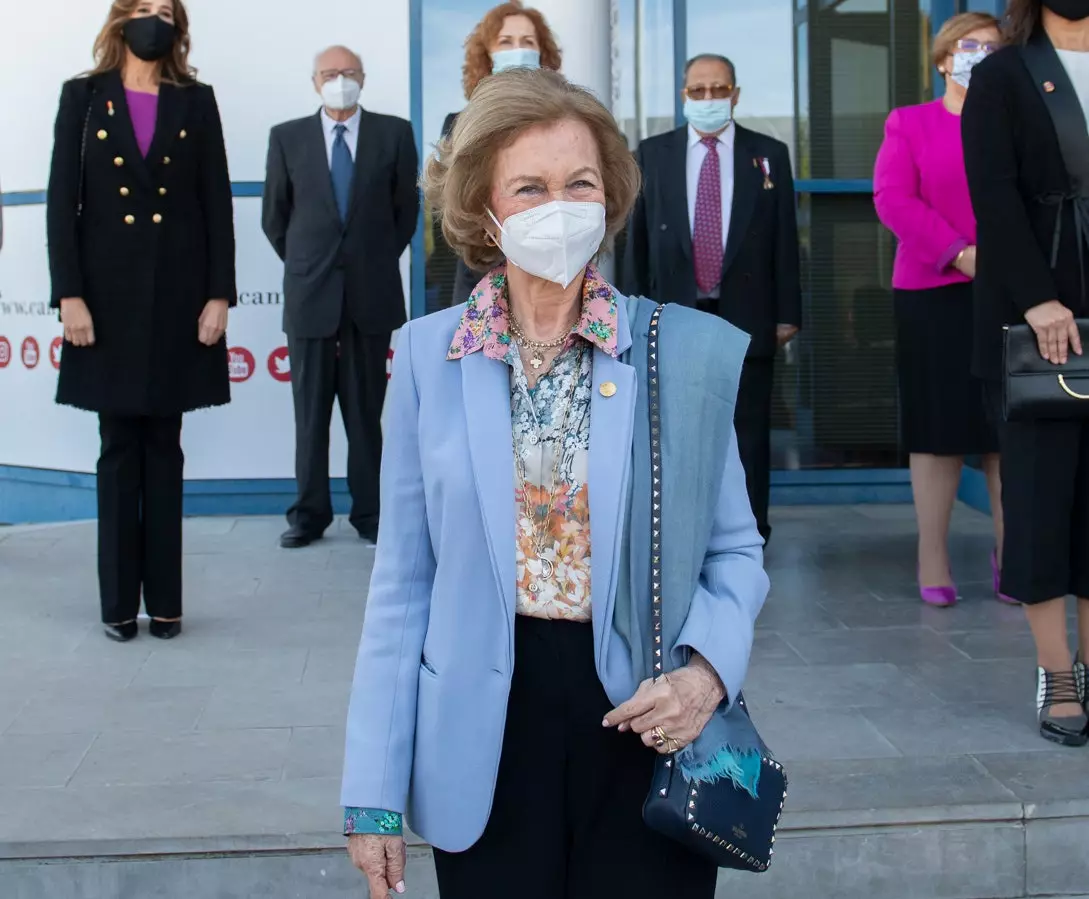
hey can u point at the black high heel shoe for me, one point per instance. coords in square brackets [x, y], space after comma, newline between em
[164, 630]
[1058, 688]
[121, 633]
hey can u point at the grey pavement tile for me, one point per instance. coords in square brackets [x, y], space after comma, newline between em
[357, 561]
[310, 705]
[200, 810]
[12, 700]
[808, 735]
[791, 615]
[869, 612]
[1057, 863]
[180, 666]
[270, 633]
[1002, 682]
[960, 729]
[1052, 775]
[208, 527]
[348, 605]
[976, 615]
[769, 648]
[836, 687]
[60, 708]
[330, 666]
[895, 783]
[41, 760]
[991, 645]
[200, 757]
[315, 752]
[895, 644]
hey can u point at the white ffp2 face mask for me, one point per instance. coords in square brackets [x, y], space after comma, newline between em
[341, 93]
[554, 241]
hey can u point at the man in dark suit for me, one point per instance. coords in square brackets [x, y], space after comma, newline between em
[715, 228]
[340, 207]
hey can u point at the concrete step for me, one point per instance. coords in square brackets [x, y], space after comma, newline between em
[996, 851]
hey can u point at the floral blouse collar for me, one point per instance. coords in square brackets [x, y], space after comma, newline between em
[485, 326]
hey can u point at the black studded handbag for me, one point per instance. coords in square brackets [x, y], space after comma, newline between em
[718, 821]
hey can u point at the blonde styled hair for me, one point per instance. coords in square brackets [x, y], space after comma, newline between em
[109, 48]
[945, 41]
[457, 180]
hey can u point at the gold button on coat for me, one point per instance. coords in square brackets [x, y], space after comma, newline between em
[124, 191]
[156, 218]
[166, 160]
[162, 191]
[118, 161]
[184, 134]
[608, 389]
[102, 135]
[130, 219]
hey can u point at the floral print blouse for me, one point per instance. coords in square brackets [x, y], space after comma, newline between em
[538, 435]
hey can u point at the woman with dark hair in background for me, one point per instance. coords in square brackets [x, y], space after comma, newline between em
[921, 195]
[141, 255]
[509, 36]
[1026, 149]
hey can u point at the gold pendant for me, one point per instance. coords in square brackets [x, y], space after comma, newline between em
[536, 360]
[547, 570]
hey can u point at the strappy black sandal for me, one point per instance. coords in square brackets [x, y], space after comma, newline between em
[1058, 688]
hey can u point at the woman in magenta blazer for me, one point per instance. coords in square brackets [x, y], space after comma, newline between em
[921, 194]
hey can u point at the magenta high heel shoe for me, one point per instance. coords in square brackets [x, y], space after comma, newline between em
[996, 573]
[938, 596]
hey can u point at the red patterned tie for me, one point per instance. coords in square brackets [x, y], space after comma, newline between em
[707, 230]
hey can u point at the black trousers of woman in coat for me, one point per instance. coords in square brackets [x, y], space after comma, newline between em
[567, 818]
[140, 516]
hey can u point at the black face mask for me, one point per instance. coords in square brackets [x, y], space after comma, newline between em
[149, 37]
[1075, 10]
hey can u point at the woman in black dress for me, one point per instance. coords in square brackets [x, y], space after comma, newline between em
[141, 254]
[510, 35]
[1030, 191]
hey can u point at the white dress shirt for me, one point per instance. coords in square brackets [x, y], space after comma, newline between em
[697, 152]
[351, 136]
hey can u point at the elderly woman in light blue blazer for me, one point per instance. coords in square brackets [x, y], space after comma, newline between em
[513, 683]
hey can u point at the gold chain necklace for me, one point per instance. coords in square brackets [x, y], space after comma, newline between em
[540, 528]
[537, 357]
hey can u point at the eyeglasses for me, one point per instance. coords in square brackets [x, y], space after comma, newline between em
[332, 74]
[968, 45]
[714, 92]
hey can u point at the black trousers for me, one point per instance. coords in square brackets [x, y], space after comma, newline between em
[566, 822]
[1045, 505]
[350, 367]
[140, 517]
[752, 419]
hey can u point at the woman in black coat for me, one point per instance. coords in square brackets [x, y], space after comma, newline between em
[141, 254]
[1030, 192]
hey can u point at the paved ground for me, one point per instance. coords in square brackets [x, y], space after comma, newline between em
[882, 708]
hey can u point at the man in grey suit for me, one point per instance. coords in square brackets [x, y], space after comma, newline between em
[340, 207]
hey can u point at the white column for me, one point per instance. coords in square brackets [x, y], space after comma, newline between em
[583, 30]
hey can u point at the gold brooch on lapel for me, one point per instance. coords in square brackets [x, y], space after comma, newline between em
[109, 107]
[1049, 87]
[764, 164]
[608, 389]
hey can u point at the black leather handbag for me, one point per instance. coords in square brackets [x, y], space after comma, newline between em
[717, 821]
[1033, 388]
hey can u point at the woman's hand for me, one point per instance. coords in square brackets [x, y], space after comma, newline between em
[213, 322]
[79, 330]
[680, 703]
[382, 859]
[966, 263]
[1056, 331]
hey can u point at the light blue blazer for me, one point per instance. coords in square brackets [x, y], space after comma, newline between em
[429, 699]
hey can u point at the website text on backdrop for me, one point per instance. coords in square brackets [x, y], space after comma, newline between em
[715, 228]
[518, 433]
[141, 255]
[340, 207]
[508, 36]
[921, 196]
[1026, 150]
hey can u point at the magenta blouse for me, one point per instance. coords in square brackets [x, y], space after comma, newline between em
[921, 194]
[143, 109]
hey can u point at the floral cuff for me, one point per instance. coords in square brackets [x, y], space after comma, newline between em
[372, 820]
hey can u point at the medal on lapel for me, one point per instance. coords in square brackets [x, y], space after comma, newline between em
[764, 164]
[109, 107]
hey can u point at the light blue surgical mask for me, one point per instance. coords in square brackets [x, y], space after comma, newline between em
[520, 57]
[963, 63]
[708, 116]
